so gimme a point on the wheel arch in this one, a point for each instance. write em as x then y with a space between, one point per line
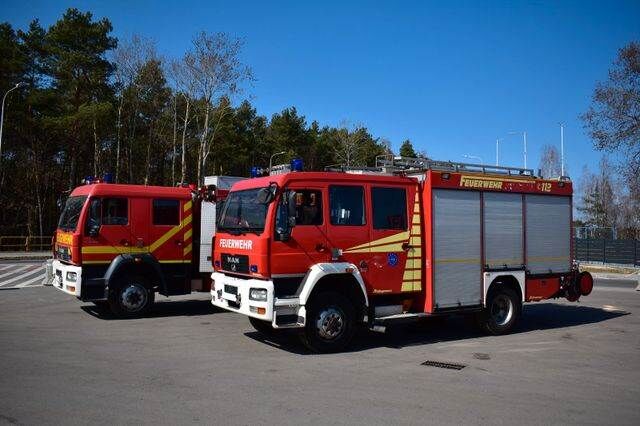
514 280
339 277
144 264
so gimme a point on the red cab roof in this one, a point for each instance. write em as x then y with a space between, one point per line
110 189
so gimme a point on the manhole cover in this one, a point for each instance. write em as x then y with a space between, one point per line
478 355
448 365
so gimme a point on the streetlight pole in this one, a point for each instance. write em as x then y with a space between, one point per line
272 157
561 149
471 157
524 139
497 151
17 86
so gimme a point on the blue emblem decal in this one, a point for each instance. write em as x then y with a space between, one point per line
392 259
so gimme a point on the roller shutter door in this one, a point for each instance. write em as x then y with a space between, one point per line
503 246
548 233
457 262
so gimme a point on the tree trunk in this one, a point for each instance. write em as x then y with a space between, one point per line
175 138
183 176
148 162
203 144
96 149
118 131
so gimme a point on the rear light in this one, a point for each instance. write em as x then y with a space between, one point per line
585 283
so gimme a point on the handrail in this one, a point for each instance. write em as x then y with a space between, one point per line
25 242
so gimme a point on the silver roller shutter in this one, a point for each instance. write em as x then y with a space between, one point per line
457 245
503 246
548 233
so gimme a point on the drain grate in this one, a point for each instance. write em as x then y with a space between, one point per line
448 365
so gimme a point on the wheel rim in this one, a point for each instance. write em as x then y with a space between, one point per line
501 310
330 323
133 297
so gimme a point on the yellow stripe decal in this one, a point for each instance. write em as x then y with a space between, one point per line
187 206
175 261
395 238
187 234
187 250
129 249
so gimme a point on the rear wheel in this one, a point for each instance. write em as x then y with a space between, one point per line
131 297
502 312
330 323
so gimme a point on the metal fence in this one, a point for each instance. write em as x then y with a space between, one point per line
25 243
624 252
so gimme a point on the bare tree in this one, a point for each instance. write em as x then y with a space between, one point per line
215 68
129 57
613 120
347 144
185 85
550 162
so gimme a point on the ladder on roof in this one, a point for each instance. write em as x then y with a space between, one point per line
397 164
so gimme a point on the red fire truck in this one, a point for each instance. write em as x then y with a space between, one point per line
118 245
325 252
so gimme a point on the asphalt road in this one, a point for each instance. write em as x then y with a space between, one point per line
65 362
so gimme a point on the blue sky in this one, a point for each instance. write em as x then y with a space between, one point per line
450 76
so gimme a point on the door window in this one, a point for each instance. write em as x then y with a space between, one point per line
115 211
347 205
389 208
166 212
308 207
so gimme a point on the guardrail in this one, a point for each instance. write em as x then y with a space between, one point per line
25 243
623 252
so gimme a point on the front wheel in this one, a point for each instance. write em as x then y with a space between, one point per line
330 323
502 312
131 298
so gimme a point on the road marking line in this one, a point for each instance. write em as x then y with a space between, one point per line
19 277
21 268
33 280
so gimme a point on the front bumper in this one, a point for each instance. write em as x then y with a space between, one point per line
61 278
232 294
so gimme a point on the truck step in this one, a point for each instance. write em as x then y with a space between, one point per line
381 322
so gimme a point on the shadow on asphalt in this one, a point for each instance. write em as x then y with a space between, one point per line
177 308
545 316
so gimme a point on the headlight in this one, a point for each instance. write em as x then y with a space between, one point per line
259 294
72 276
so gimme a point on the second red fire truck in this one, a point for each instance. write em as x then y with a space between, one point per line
119 245
326 252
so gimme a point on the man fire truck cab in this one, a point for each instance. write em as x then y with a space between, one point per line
327 251
118 245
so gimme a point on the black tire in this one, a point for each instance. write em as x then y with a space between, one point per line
331 323
131 297
262 326
502 312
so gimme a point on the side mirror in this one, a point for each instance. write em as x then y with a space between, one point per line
94 231
286 216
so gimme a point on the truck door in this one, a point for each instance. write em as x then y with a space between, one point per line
348 225
170 236
394 263
111 215
308 242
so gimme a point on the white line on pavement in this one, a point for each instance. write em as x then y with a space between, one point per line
18 269
33 280
19 277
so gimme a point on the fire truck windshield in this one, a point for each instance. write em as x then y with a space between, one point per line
71 213
243 212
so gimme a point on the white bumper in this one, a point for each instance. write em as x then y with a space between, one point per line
232 294
62 278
